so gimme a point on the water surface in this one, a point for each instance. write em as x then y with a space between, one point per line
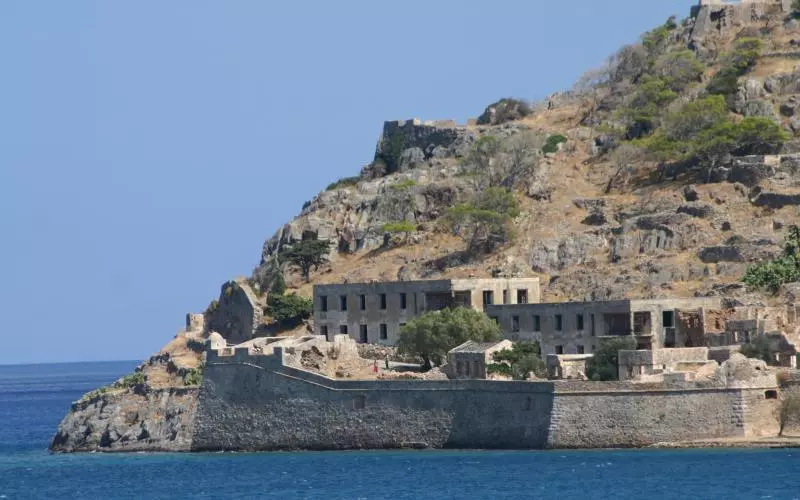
33 399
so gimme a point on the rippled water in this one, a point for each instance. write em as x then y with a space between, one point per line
34 398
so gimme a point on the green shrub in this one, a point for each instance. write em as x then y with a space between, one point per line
404 184
430 335
505 110
278 285
654 40
193 376
486 222
391 152
519 362
760 349
95 393
344 182
770 275
551 145
679 69
604 365
131 380
289 310
741 60
212 306
399 227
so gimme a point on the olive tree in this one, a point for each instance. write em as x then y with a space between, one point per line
430 335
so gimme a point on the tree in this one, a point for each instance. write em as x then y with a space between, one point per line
679 69
486 222
289 310
623 158
604 365
307 254
520 361
430 335
789 411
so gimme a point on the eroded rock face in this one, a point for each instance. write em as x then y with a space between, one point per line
137 419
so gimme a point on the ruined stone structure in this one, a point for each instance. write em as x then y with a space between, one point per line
374 312
567 366
257 402
634 364
718 15
237 314
469 360
578 327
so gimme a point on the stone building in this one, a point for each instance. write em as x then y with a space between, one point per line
374 312
579 327
469 360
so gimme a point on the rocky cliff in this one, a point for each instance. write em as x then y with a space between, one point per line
601 216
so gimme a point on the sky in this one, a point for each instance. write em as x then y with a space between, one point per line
148 148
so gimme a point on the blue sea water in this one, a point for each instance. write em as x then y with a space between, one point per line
33 399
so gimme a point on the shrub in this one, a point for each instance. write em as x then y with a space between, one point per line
131 380
505 110
430 335
212 306
289 310
519 362
344 182
278 285
604 365
760 349
770 275
306 205
193 376
744 56
679 69
404 184
399 227
391 151
654 40
551 145
486 222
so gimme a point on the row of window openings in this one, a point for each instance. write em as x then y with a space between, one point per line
559 349
522 297
383 329
362 302
488 299
537 323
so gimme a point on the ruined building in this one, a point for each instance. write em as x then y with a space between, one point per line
579 327
374 312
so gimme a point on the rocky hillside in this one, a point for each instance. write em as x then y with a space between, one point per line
665 173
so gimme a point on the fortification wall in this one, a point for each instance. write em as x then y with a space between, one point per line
256 403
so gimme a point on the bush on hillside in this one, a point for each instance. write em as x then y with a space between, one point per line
342 183
739 62
505 110
760 349
486 222
430 335
289 310
551 145
131 380
604 365
771 275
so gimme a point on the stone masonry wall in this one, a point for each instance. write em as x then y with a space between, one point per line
257 403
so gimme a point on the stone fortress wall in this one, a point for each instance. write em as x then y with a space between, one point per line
254 401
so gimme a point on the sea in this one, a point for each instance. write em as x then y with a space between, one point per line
34 398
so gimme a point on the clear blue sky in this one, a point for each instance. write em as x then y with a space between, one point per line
148 148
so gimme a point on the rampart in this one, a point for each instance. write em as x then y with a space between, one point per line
256 402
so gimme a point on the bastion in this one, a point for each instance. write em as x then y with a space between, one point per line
251 401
